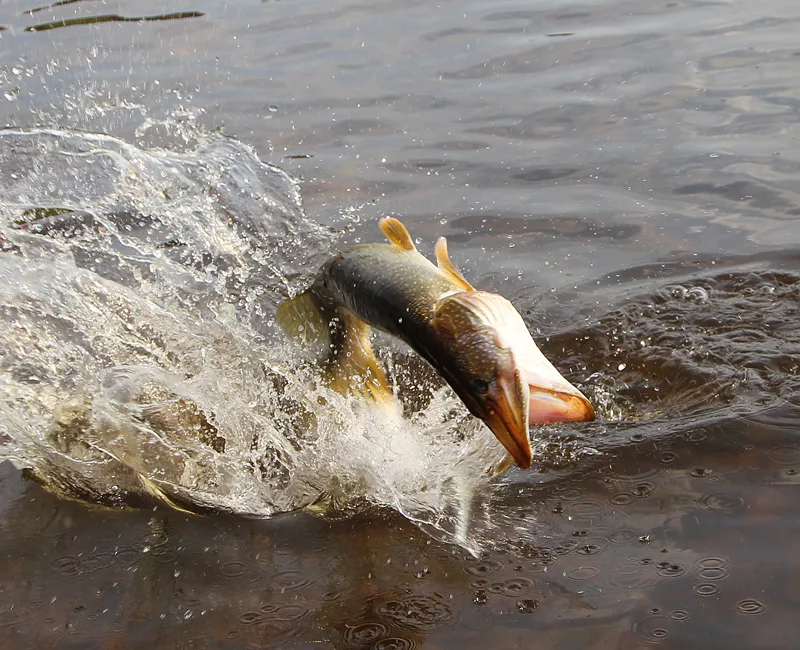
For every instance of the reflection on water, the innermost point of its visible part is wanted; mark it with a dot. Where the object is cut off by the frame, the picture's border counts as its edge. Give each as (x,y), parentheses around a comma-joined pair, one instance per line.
(625,172)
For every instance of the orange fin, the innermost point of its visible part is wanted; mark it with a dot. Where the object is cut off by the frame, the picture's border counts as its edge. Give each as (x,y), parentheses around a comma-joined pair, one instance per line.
(397,233)
(447,268)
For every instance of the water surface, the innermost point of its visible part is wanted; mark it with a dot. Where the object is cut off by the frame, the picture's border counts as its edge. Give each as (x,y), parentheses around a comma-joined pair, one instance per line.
(625,173)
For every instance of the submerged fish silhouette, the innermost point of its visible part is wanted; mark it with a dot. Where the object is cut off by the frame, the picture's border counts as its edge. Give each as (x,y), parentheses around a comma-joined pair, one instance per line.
(476,340)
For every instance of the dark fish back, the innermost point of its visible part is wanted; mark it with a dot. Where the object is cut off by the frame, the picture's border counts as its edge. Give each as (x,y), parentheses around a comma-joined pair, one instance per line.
(385,286)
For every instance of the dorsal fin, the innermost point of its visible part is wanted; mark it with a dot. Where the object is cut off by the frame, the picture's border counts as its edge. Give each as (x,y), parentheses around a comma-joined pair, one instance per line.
(396,233)
(447,268)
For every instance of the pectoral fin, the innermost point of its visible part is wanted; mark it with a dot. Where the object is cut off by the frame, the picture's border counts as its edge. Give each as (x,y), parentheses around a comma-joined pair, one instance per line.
(353,367)
(447,268)
(339,341)
(307,321)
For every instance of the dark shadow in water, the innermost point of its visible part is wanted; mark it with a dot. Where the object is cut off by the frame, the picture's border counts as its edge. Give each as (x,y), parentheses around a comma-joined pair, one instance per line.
(111,18)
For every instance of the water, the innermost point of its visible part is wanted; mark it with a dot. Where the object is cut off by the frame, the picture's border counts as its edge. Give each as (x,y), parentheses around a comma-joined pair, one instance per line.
(625,174)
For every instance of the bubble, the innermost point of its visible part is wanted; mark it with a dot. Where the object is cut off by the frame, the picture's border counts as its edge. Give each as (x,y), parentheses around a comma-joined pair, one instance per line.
(697,294)
(527,606)
(750,607)
(364,634)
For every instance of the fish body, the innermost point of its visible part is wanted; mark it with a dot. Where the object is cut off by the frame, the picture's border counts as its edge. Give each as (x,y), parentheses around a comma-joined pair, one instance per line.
(476,340)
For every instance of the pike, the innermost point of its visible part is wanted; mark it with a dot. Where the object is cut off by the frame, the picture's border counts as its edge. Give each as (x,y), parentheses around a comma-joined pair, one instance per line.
(476,340)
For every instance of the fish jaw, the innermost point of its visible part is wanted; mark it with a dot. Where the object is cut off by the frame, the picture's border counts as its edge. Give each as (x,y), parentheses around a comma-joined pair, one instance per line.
(552,398)
(506,415)
(487,338)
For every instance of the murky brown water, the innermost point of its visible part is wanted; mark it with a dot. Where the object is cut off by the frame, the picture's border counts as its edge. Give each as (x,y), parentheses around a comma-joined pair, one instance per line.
(625,172)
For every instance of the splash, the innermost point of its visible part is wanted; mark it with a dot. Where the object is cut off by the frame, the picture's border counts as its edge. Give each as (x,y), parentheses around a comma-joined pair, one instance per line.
(139,358)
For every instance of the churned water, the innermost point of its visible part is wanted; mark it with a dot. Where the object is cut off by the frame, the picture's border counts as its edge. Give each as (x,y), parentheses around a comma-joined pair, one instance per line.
(626,173)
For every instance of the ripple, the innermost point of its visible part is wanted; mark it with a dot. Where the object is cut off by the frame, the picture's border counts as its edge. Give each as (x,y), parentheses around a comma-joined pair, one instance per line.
(712,573)
(622,536)
(667,457)
(67,565)
(395,643)
(233,569)
(364,634)
(483,567)
(652,629)
(643,489)
(706,589)
(585,509)
(11,616)
(75,640)
(97,562)
(784,455)
(592,545)
(417,612)
(621,498)
(291,580)
(750,607)
(164,555)
(285,613)
(512,587)
(631,576)
(722,503)
(251,618)
(679,615)
(583,573)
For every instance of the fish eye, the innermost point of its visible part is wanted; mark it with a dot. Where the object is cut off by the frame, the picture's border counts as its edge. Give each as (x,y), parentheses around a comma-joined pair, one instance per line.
(480,386)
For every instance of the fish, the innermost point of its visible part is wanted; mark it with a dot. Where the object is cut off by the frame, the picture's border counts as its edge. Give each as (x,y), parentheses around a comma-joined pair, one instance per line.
(475,340)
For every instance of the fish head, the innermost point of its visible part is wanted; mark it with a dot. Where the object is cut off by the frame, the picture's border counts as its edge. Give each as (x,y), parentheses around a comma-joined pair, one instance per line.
(488,357)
